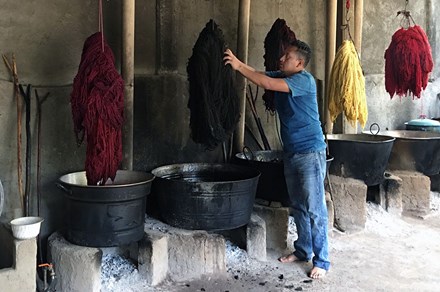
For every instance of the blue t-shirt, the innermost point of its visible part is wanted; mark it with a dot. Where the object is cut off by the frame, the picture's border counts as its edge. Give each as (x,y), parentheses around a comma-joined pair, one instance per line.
(298,112)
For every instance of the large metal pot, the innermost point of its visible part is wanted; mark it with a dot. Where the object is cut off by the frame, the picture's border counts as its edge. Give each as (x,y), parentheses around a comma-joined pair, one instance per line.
(360,156)
(415,151)
(272,184)
(106,215)
(205,196)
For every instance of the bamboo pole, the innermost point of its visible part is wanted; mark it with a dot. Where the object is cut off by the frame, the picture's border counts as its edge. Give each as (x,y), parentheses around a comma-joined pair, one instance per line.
(358,20)
(347,127)
(330,56)
(242,54)
(128,17)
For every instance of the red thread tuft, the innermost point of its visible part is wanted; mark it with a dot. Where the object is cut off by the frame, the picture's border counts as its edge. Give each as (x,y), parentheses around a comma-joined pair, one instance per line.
(97,102)
(408,62)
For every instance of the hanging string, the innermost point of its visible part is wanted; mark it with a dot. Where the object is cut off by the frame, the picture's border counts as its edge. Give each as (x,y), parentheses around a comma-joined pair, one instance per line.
(346,26)
(407,17)
(101,24)
(406,20)
(422,115)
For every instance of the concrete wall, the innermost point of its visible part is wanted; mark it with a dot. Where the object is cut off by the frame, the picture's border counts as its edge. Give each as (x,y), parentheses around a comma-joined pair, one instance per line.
(47,38)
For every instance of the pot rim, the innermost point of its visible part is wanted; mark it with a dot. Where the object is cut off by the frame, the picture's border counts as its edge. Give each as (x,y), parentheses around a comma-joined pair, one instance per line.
(65,182)
(355,138)
(254,173)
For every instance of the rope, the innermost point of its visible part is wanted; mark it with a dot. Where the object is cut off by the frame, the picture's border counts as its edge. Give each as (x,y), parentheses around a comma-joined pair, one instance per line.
(101,24)
(346,26)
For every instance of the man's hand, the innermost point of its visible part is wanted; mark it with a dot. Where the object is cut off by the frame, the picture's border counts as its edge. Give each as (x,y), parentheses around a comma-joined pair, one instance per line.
(232,60)
(258,78)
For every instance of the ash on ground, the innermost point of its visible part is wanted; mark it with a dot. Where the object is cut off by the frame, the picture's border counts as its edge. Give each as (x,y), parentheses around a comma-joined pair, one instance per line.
(154,224)
(120,274)
(435,202)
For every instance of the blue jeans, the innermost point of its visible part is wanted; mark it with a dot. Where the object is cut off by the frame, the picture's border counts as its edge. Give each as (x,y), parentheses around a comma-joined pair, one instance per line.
(304,174)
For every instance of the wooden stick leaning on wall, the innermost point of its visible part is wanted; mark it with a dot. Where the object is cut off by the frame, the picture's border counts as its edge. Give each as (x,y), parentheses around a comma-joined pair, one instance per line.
(13,70)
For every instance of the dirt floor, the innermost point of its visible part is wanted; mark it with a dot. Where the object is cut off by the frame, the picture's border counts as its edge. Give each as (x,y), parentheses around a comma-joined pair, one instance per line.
(392,254)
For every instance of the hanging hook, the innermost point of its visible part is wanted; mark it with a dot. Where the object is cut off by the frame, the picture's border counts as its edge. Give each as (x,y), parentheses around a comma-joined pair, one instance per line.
(405,22)
(347,17)
(346,26)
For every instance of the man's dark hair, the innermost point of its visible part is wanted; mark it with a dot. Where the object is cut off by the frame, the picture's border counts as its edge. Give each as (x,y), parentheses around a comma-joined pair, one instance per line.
(304,50)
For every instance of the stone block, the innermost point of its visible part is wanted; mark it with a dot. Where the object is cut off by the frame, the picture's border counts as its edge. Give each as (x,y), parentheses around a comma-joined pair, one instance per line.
(194,253)
(390,194)
(256,238)
(416,192)
(22,275)
(77,268)
(153,257)
(277,225)
(349,201)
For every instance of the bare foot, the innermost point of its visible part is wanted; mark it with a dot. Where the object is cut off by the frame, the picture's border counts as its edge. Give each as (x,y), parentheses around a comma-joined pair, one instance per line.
(317,273)
(288,258)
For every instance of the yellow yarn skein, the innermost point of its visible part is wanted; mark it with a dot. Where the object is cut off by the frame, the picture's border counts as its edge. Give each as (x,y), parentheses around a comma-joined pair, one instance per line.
(346,91)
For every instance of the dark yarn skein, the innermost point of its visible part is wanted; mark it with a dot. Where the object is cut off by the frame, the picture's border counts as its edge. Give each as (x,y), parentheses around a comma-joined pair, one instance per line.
(213,99)
(275,43)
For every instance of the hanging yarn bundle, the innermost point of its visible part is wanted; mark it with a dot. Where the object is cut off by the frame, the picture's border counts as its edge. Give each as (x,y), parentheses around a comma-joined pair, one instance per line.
(408,62)
(346,90)
(97,102)
(279,37)
(213,99)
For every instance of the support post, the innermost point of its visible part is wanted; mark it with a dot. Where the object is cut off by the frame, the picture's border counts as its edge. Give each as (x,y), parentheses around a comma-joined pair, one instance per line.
(242,54)
(330,53)
(128,16)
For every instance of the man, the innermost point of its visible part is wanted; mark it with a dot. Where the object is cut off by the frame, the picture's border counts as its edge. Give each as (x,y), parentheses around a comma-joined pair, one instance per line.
(304,150)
